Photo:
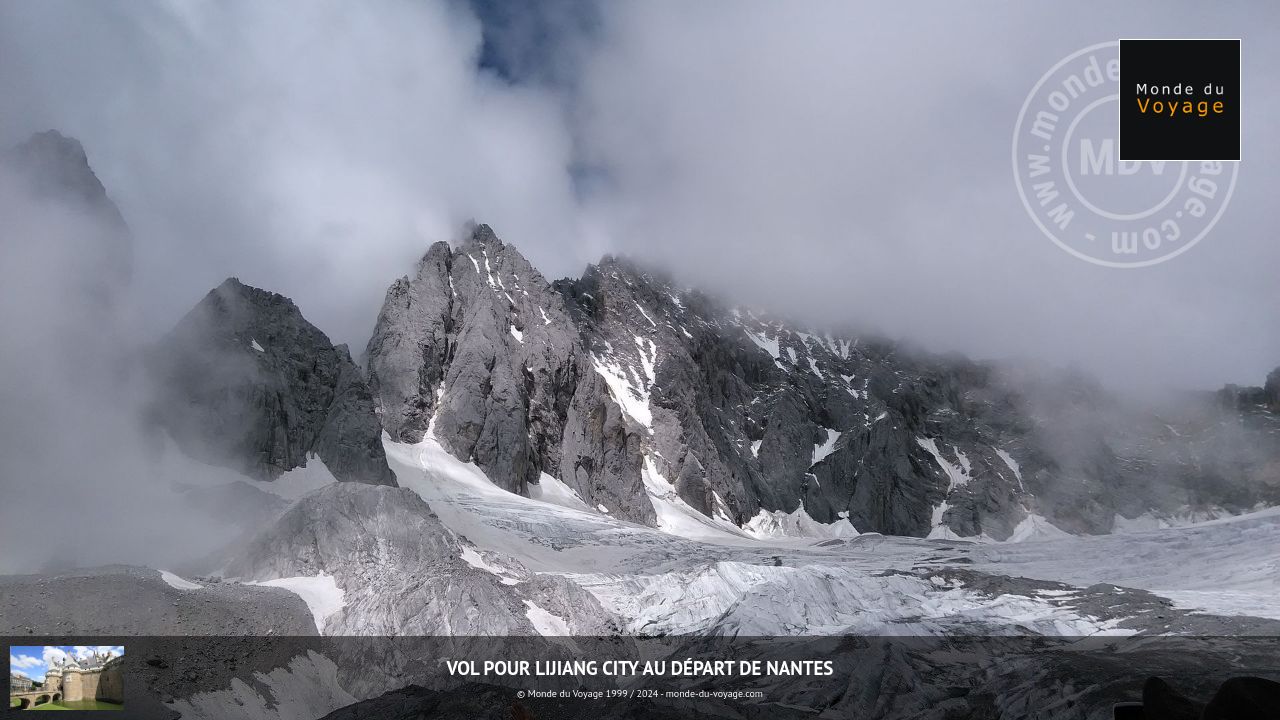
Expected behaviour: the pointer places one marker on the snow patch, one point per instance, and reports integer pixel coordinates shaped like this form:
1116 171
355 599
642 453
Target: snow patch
476 560
307 688
289 486
957 476
546 623
943 532
519 336
321 594
494 284
719 508
633 398
1035 528
300 480
254 344
767 525
176 582
648 358
677 517
936 520
551 490
826 448
769 346
646 315
1013 465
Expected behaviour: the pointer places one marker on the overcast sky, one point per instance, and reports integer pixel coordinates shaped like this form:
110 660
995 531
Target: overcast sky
842 161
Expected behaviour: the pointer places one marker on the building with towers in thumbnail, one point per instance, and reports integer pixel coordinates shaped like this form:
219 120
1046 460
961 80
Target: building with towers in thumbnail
97 676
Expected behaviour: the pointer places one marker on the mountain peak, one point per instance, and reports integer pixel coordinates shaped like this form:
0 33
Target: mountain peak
51 142
245 381
53 163
50 166
234 286
481 234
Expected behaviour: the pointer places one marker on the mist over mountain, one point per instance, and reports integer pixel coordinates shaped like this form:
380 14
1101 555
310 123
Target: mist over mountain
245 381
636 330
317 151
649 401
634 391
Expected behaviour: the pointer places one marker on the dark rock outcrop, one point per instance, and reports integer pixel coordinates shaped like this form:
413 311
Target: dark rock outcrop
244 381
1252 398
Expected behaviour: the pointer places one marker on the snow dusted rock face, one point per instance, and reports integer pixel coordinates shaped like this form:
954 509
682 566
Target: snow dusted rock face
741 416
377 561
244 381
654 404
478 348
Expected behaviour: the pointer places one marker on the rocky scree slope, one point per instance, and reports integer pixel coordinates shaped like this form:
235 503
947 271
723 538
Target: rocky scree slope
244 381
644 397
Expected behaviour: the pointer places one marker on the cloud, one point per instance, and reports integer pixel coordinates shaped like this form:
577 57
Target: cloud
69 430
313 149
25 662
316 149
837 162
53 654
849 162
82 652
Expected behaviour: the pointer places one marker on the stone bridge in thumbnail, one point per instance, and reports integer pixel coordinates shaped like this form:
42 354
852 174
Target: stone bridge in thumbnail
30 698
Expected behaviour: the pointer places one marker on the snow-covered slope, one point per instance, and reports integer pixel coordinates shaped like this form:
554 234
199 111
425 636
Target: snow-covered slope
1229 566
721 581
377 561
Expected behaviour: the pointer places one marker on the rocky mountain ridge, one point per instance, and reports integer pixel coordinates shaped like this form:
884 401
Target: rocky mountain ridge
648 399
655 403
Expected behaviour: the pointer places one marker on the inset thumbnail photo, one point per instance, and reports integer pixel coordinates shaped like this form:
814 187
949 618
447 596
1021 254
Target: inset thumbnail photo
66 677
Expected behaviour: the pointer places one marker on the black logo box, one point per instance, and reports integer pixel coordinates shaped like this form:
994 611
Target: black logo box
1187 67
